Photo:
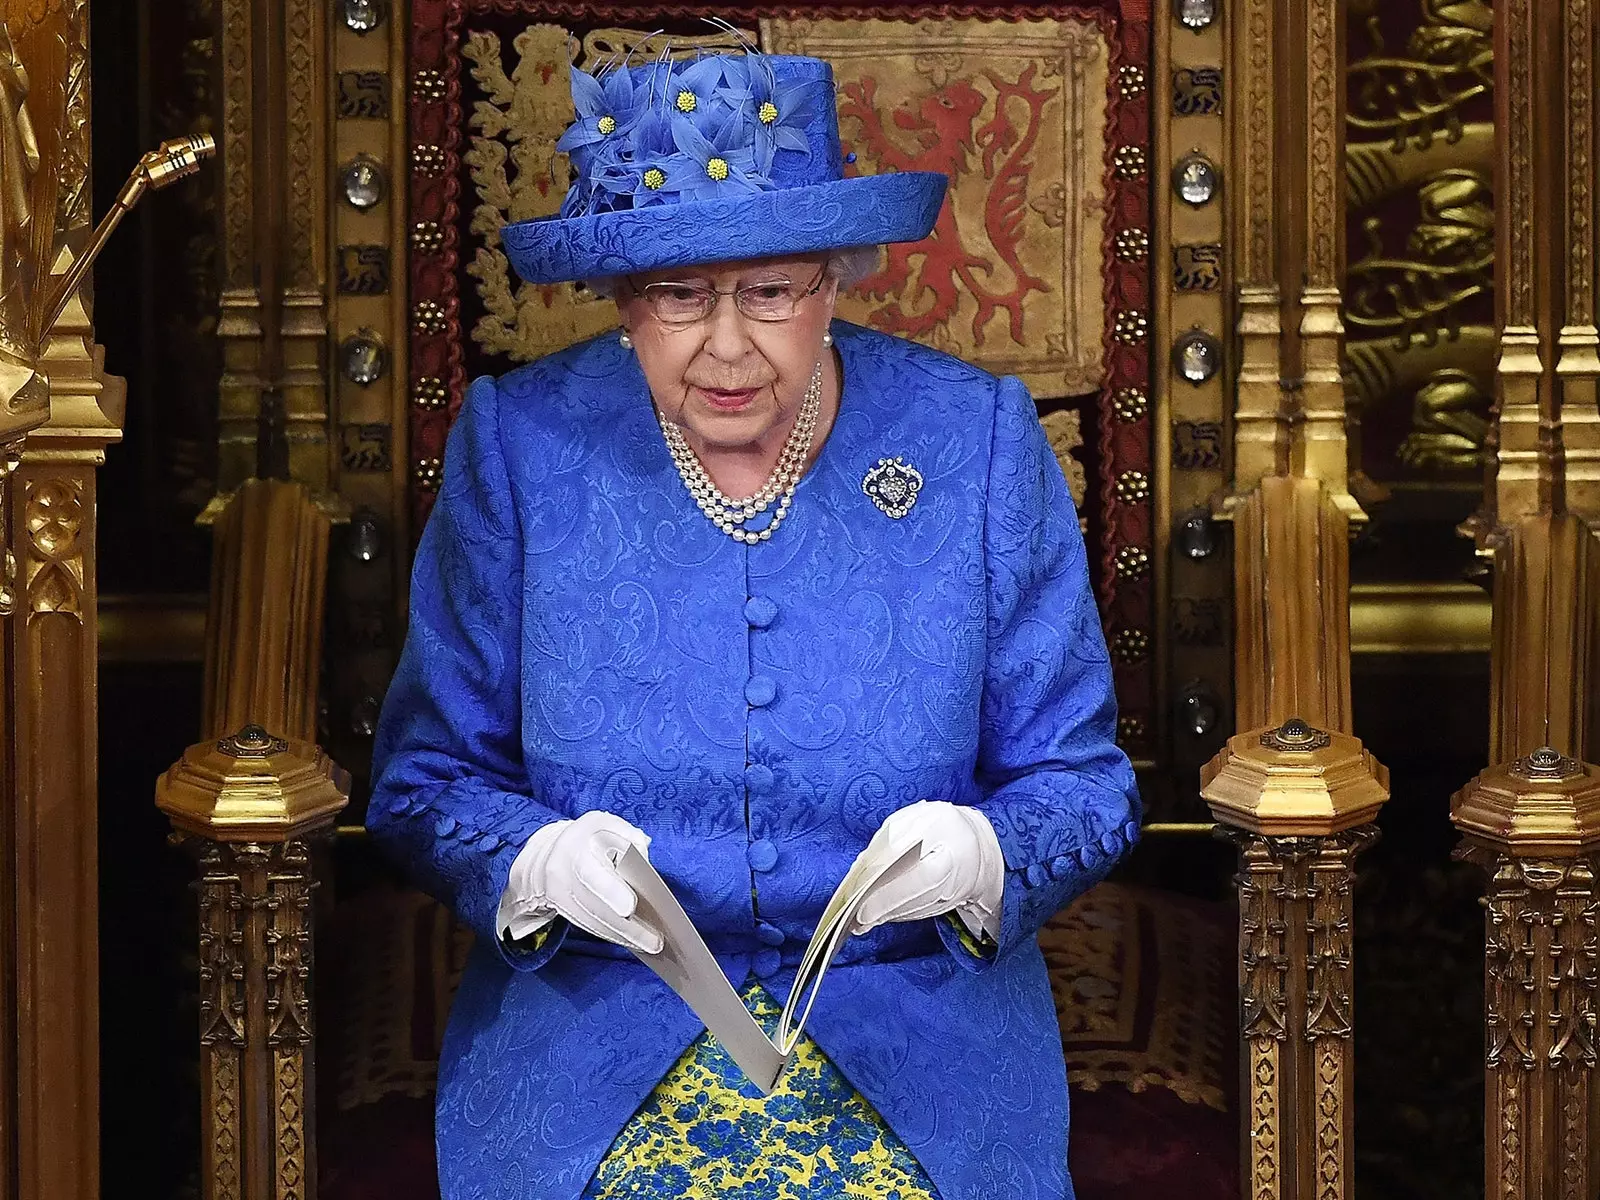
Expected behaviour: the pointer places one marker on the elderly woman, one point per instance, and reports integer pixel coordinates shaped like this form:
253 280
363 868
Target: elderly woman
748 588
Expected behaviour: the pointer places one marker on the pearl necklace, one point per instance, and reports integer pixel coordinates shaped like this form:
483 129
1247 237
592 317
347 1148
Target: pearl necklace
731 515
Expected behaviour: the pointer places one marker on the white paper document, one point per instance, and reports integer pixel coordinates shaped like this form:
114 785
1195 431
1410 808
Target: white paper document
686 963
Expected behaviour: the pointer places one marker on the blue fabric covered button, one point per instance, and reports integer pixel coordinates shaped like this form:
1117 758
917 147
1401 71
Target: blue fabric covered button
1087 858
767 963
1110 843
760 611
763 855
769 934
758 777
760 690
1131 831
1036 875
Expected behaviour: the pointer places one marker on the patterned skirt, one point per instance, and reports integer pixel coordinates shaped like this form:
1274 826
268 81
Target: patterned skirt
707 1133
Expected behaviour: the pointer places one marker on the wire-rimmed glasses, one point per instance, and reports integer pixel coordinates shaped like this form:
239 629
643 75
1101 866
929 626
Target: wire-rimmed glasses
686 302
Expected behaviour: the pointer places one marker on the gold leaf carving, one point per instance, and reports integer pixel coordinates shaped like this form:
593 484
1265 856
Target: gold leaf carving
516 176
54 567
73 214
237 162
20 159
224 1124
1064 429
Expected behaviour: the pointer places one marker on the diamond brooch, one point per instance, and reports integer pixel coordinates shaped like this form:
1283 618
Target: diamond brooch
893 485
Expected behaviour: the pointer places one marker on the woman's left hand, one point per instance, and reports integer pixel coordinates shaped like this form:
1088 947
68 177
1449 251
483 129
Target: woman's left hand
960 870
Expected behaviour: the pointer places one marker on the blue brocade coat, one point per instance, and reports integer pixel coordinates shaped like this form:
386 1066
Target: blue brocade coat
582 637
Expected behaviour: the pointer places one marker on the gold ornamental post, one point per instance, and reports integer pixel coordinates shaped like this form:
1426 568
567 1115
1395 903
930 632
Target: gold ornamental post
251 806
1298 802
59 411
1532 820
1534 826
1295 790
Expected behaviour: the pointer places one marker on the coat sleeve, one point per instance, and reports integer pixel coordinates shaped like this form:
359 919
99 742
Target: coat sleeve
1057 789
450 797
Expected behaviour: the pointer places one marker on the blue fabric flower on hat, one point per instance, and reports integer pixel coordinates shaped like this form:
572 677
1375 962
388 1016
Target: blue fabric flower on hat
777 112
669 131
715 167
607 111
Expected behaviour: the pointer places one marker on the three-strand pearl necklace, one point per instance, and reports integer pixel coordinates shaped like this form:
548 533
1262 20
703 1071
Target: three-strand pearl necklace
731 515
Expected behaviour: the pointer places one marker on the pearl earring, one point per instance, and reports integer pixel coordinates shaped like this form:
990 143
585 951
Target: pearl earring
624 340
827 340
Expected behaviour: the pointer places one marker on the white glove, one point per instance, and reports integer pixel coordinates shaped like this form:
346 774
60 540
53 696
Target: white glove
569 869
960 870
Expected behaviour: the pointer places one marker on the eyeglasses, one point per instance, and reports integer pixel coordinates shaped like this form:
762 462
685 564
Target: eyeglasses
674 303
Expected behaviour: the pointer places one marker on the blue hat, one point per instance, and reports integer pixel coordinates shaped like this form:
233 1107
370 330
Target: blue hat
718 159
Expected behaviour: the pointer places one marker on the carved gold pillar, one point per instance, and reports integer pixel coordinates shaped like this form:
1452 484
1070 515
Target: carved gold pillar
1295 790
1542 500
1532 820
1298 802
1534 826
53 650
273 322
53 392
252 806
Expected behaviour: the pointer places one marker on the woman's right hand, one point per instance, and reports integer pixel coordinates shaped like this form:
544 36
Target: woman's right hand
569 869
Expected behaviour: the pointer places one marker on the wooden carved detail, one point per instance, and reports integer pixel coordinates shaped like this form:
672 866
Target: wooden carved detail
1266 1123
221 951
1328 943
1509 1094
1331 1118
1510 979
1579 104
1325 163
302 28
1256 187
1295 964
1572 975
289 1123
224 1169
237 166
53 517
1263 925
255 996
1518 190
1542 1001
288 964
73 212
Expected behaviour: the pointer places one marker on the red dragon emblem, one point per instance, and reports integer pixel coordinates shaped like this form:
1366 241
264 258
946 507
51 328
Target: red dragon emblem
943 126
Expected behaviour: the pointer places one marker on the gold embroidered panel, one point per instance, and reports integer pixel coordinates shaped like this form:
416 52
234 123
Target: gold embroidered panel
516 176
1014 113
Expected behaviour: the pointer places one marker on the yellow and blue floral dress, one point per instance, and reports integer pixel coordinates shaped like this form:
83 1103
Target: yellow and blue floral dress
707 1133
